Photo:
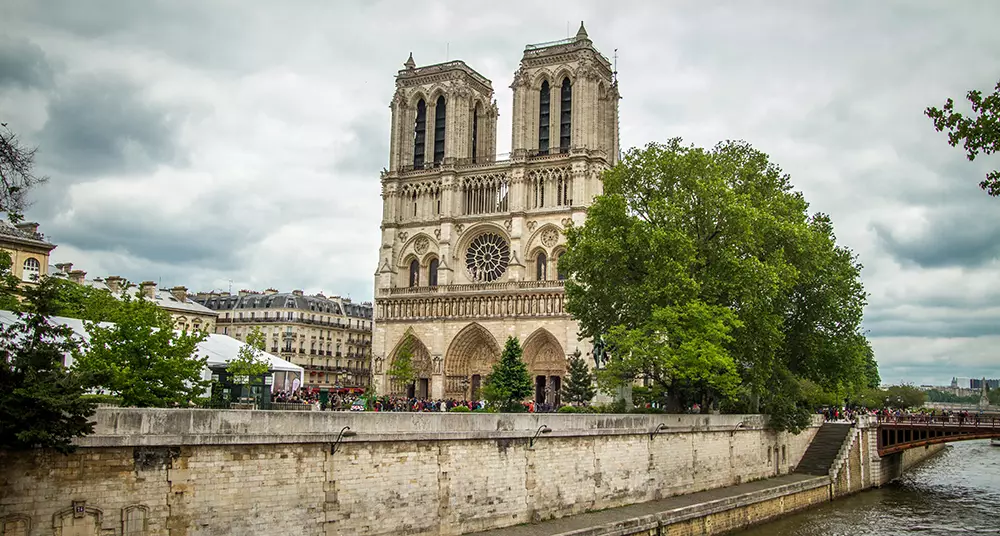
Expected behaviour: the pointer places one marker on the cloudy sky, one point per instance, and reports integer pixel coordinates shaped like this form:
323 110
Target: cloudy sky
217 143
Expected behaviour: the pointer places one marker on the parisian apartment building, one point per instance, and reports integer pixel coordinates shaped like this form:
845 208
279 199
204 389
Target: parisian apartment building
329 337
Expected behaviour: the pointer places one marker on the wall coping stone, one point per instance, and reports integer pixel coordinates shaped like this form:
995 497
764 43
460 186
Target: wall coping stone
123 427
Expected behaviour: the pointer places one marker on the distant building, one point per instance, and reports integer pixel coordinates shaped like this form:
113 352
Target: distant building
186 313
28 249
330 337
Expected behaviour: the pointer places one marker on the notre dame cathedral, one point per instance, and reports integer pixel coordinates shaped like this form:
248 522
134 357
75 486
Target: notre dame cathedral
471 241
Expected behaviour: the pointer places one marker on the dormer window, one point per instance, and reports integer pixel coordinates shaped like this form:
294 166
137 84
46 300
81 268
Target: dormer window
31 270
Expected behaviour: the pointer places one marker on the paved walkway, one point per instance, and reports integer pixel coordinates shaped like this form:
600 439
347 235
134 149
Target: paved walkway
579 524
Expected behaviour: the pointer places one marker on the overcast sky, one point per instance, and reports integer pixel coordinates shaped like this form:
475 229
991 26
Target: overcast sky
195 142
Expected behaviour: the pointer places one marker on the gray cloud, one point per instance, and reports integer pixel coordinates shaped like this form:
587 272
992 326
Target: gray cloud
23 65
103 125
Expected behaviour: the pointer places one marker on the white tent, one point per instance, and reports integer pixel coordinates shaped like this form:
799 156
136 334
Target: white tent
220 350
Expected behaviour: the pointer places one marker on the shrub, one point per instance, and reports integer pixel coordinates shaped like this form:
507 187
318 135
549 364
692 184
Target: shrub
460 409
568 409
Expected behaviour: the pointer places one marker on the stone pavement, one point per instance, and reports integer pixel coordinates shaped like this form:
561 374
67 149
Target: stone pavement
618 520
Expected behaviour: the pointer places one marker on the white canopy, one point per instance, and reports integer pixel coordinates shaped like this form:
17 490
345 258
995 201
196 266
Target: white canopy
220 350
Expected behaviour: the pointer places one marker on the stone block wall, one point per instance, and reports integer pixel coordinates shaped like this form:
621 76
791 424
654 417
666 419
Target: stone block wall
197 472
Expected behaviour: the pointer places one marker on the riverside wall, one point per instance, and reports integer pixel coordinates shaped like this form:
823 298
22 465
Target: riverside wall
202 472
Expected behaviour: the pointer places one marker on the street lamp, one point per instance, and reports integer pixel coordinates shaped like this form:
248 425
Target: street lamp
344 432
660 427
541 430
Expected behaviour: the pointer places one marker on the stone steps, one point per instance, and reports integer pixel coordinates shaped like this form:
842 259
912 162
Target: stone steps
823 449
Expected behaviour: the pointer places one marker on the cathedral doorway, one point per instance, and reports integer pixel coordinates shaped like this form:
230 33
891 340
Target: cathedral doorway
421 359
547 364
469 359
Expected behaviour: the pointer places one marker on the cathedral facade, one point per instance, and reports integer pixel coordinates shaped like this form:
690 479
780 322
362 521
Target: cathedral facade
471 241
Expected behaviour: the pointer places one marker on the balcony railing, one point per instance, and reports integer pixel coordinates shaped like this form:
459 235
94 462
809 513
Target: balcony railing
473 287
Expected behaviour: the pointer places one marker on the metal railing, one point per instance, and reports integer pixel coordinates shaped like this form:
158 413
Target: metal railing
475 287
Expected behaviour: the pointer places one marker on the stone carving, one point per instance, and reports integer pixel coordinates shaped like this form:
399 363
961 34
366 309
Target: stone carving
78 519
421 245
507 224
459 227
403 234
520 79
15 524
531 225
134 520
567 222
549 237
437 234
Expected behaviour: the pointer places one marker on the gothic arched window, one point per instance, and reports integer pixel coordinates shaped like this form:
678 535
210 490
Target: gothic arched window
540 266
432 273
565 114
419 134
32 270
543 119
439 116
414 273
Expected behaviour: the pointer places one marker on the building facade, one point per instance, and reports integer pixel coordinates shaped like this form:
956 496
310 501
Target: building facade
329 337
28 250
187 314
471 243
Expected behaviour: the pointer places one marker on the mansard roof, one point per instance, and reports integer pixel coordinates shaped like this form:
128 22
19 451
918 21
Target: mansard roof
285 300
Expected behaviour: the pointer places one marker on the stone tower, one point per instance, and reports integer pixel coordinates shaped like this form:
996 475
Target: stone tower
471 243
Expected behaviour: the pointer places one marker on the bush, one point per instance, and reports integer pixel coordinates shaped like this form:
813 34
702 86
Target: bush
460 409
568 409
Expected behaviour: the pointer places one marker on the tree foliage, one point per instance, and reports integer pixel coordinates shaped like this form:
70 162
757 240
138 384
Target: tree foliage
509 382
893 397
17 175
249 362
977 134
141 358
401 370
41 401
579 385
85 302
704 272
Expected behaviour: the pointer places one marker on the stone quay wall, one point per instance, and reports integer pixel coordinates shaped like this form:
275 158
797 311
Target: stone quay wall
203 472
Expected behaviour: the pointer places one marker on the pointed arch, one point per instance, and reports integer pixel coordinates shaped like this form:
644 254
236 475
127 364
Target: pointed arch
544 355
544 116
419 133
470 358
421 359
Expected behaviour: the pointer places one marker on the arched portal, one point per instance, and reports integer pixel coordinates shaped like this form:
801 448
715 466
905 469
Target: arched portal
547 365
421 359
469 360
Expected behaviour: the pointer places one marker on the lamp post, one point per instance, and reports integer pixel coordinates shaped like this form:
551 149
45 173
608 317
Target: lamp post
541 430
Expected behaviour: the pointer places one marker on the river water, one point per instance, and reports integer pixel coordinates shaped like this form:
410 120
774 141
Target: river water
955 492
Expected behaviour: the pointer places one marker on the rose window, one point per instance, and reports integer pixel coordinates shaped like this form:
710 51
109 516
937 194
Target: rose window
487 257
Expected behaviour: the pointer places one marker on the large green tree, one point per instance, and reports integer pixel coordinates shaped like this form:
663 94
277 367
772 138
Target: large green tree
85 302
41 402
714 253
509 382
141 358
978 134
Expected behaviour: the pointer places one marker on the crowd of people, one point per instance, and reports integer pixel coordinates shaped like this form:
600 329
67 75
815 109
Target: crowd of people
922 415
360 402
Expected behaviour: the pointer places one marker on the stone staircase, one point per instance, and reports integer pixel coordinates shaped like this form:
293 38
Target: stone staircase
824 449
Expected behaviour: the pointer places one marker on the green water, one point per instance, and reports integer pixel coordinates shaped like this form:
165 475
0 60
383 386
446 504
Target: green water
956 492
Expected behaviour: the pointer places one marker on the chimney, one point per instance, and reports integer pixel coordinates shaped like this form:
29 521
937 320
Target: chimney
114 283
179 293
297 292
29 227
64 267
148 289
268 292
244 292
77 276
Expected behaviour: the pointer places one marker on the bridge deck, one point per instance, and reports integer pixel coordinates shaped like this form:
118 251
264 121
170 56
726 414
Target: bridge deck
896 434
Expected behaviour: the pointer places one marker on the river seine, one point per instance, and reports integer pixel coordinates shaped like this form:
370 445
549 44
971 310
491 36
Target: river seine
956 492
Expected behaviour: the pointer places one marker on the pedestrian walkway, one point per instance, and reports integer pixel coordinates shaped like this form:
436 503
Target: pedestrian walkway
647 515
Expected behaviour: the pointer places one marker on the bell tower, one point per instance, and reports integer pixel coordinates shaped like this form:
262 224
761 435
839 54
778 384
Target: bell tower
442 112
565 98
